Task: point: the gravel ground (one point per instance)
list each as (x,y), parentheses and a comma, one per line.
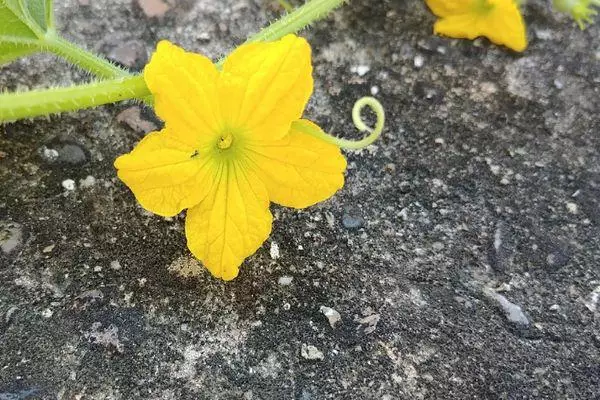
(460,261)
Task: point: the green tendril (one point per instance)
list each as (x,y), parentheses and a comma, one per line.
(374,133)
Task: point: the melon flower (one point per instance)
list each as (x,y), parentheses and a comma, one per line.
(233,141)
(498,20)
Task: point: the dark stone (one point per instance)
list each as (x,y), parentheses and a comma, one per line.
(71,153)
(63,152)
(131,54)
(352,222)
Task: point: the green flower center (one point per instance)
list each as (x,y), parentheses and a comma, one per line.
(225,141)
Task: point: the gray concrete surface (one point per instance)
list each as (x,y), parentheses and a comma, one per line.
(462,256)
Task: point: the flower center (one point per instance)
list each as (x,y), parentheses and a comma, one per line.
(225,141)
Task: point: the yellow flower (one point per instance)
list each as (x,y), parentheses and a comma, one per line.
(233,141)
(498,20)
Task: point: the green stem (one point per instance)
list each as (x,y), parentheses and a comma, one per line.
(297,20)
(82,58)
(363,102)
(34,103)
(294,22)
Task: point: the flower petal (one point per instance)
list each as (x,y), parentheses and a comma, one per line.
(506,26)
(265,86)
(444,8)
(165,175)
(184,86)
(231,223)
(502,25)
(299,170)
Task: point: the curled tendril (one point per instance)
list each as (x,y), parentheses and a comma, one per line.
(374,133)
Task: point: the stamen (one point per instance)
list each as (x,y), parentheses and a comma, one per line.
(225,141)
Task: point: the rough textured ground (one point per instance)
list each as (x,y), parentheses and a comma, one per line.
(463,254)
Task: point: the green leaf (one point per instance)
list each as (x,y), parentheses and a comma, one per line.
(23,27)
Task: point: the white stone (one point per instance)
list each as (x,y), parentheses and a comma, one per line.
(68,184)
(88,182)
(332,315)
(572,208)
(274,251)
(285,280)
(419,61)
(310,352)
(360,70)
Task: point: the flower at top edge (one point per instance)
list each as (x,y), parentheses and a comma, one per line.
(498,20)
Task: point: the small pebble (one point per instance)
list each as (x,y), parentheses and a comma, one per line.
(47,313)
(572,208)
(558,84)
(132,117)
(274,251)
(10,236)
(285,280)
(332,315)
(437,246)
(115,265)
(88,182)
(130,54)
(360,70)
(48,249)
(68,184)
(419,61)
(50,155)
(154,8)
(351,222)
(310,352)
(374,90)
(512,311)
(71,153)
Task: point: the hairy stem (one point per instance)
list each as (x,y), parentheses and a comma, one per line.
(15,106)
(297,20)
(84,59)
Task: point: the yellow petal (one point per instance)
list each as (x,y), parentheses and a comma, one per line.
(185,93)
(443,8)
(502,25)
(462,26)
(231,223)
(265,86)
(505,26)
(299,170)
(165,175)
